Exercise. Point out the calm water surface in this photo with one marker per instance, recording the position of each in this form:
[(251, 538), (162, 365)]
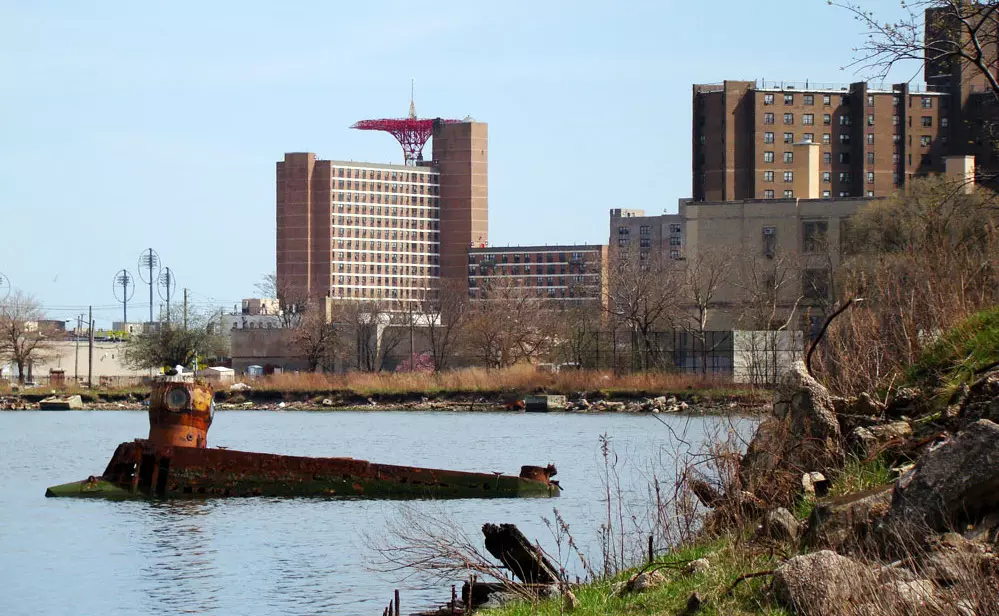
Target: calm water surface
[(288, 556)]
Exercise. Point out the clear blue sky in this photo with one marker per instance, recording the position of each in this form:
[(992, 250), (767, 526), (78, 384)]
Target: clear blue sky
[(134, 124)]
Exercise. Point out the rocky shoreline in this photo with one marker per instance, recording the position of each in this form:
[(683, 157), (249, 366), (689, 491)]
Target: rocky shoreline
[(340, 401)]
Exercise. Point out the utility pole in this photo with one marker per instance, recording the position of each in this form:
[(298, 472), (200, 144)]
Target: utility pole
[(90, 362), (76, 360), (185, 309), (150, 285)]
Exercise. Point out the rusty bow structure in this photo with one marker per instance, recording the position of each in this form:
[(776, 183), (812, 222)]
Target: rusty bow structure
[(176, 462)]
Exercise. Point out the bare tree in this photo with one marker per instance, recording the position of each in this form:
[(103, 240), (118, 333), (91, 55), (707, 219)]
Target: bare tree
[(317, 338), (508, 325), (580, 325), (644, 296), (937, 32), (705, 275), (22, 339), (267, 287), (444, 315)]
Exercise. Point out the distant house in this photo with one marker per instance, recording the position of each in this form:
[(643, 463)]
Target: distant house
[(218, 374)]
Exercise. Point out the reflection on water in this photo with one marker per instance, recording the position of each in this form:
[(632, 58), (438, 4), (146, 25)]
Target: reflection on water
[(288, 556)]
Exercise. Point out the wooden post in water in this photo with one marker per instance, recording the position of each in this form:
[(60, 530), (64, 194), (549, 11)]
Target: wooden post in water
[(396, 602)]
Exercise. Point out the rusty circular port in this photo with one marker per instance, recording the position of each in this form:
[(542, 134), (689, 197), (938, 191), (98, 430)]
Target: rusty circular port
[(177, 399)]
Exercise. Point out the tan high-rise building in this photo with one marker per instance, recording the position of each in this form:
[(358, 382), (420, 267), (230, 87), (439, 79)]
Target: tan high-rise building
[(364, 231)]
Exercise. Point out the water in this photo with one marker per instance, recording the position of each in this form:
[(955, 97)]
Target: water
[(288, 556)]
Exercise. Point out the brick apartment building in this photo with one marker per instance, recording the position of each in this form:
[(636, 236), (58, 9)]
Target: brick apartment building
[(872, 140), (564, 274), (363, 231)]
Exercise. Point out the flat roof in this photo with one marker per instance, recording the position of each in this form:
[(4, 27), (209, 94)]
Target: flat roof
[(547, 248)]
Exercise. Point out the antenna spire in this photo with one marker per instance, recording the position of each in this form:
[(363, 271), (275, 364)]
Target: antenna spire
[(412, 102)]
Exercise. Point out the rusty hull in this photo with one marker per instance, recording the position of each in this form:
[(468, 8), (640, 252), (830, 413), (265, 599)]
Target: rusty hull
[(141, 469)]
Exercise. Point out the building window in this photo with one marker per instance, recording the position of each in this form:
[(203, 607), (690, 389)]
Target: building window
[(870, 177), (826, 119), (788, 157), (826, 194), (844, 138), (788, 118), (894, 120), (809, 99), (623, 230), (789, 99), (924, 140), (808, 118), (927, 121), (927, 102), (896, 138), (702, 139), (895, 158), (674, 228), (768, 176), (768, 118), (808, 138), (768, 194), (870, 193), (895, 179), (769, 241), (646, 242), (896, 101), (674, 254), (826, 138), (815, 284), (826, 99), (788, 137), (788, 176), (814, 235), (870, 158), (768, 157), (870, 119), (789, 194), (768, 99), (845, 177), (870, 138), (827, 158), (845, 120), (844, 157), (826, 176), (645, 229), (843, 194), (768, 137), (870, 100), (944, 122)]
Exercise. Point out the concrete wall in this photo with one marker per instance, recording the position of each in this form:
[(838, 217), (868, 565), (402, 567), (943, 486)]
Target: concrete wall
[(63, 355)]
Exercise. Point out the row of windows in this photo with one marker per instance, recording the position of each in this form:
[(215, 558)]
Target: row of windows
[(364, 292), (552, 292), (542, 281), (411, 211), (489, 268), (385, 281), (364, 232), (539, 257), (411, 189), (809, 99), (376, 174), (395, 199)]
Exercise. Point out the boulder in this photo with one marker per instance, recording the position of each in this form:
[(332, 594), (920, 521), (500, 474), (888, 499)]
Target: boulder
[(865, 442), (981, 401), (815, 484), (781, 525), (820, 583), (700, 565), (907, 401), (951, 559), (848, 523), (802, 435), (953, 484)]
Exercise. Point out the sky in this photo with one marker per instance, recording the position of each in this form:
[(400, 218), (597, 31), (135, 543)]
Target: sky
[(130, 125)]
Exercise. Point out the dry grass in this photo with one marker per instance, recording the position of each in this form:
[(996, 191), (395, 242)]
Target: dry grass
[(514, 379)]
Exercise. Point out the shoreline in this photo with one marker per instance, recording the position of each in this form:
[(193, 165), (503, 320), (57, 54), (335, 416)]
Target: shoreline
[(710, 402)]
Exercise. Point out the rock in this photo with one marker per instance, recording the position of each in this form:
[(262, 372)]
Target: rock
[(281, 405), (683, 407), (705, 492), (906, 401), (239, 387), (985, 530), (645, 581), (583, 404), (694, 605), (780, 525), (848, 522), (327, 402), (982, 399), (815, 484), (866, 442), (952, 559), (912, 595), (613, 407), (802, 434), (700, 565), (819, 584), (952, 484), (569, 600)]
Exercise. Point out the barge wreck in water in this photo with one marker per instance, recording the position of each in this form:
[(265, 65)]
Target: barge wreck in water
[(176, 462)]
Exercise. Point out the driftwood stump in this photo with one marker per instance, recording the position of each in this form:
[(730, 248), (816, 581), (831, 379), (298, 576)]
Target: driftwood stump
[(525, 561)]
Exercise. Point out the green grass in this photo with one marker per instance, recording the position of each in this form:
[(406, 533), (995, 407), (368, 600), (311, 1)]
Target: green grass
[(728, 562), (959, 353), (859, 475)]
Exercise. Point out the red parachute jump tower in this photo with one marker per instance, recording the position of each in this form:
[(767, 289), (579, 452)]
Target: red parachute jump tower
[(411, 132)]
